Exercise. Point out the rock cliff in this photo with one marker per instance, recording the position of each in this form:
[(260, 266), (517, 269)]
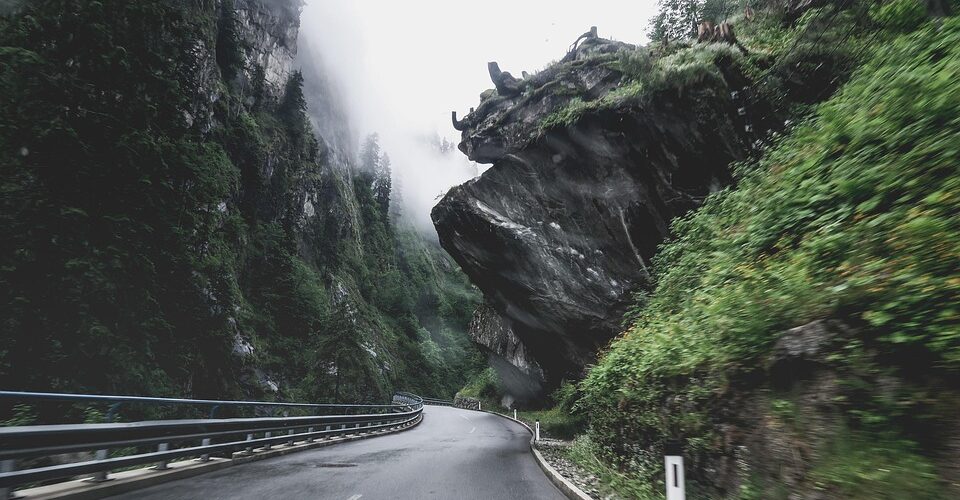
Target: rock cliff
[(592, 159), (198, 222), (521, 375)]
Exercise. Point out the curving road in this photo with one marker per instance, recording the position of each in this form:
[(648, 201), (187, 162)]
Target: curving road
[(452, 454)]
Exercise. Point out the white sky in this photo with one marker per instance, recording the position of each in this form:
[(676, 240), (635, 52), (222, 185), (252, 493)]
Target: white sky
[(403, 65)]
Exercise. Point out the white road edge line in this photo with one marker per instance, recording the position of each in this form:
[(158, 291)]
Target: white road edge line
[(355, 497), (465, 417), (471, 430)]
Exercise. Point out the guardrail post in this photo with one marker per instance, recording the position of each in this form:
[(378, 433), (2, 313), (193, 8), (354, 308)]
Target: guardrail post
[(267, 435), (6, 466), (249, 448), (206, 456), (309, 434), (290, 433), (99, 477), (164, 465)]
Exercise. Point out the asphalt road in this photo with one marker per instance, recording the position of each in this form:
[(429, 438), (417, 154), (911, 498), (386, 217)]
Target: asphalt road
[(452, 454)]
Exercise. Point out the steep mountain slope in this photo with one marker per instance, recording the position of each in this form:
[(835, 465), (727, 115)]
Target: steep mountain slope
[(802, 339), (172, 225)]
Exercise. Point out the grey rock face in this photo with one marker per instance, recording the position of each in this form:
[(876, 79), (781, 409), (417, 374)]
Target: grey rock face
[(809, 342), (520, 374), (560, 232), (269, 30), (467, 403)]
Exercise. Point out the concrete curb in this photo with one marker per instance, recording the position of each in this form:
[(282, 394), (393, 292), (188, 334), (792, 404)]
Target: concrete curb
[(563, 484), (127, 481)]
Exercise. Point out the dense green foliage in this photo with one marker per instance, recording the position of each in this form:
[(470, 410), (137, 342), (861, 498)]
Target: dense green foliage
[(790, 67), (153, 186), (644, 78), (564, 419), (485, 385), (853, 215)]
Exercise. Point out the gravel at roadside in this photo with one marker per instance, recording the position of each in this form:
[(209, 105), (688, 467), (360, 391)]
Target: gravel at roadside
[(555, 453)]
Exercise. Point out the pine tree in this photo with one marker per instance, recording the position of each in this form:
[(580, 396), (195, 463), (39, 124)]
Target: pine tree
[(292, 110), (342, 343), (396, 200), (370, 154), (382, 184), (375, 169), (229, 49)]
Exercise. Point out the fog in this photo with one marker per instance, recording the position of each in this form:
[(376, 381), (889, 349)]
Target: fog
[(400, 67)]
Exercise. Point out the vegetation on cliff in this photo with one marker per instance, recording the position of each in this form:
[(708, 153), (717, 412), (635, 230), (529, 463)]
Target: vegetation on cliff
[(851, 215)]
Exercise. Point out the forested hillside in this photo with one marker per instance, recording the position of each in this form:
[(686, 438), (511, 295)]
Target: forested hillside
[(173, 226)]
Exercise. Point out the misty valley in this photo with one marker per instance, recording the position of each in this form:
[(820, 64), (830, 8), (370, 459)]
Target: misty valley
[(323, 249)]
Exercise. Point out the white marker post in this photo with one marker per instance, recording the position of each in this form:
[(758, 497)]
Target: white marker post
[(479, 406), (514, 413), (673, 462), (536, 428)]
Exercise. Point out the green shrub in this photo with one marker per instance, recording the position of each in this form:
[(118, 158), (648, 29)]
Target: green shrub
[(645, 79), (21, 414), (634, 64), (484, 385), (567, 114), (557, 422), (899, 15), (869, 467)]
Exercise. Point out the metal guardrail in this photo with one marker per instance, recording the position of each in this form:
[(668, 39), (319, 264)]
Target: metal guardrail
[(115, 402), (197, 438), (437, 402)]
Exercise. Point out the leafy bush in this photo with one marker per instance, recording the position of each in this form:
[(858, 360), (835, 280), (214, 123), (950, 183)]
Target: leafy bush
[(899, 15), (644, 79), (634, 64), (566, 115), (484, 385), (869, 467), (556, 423)]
